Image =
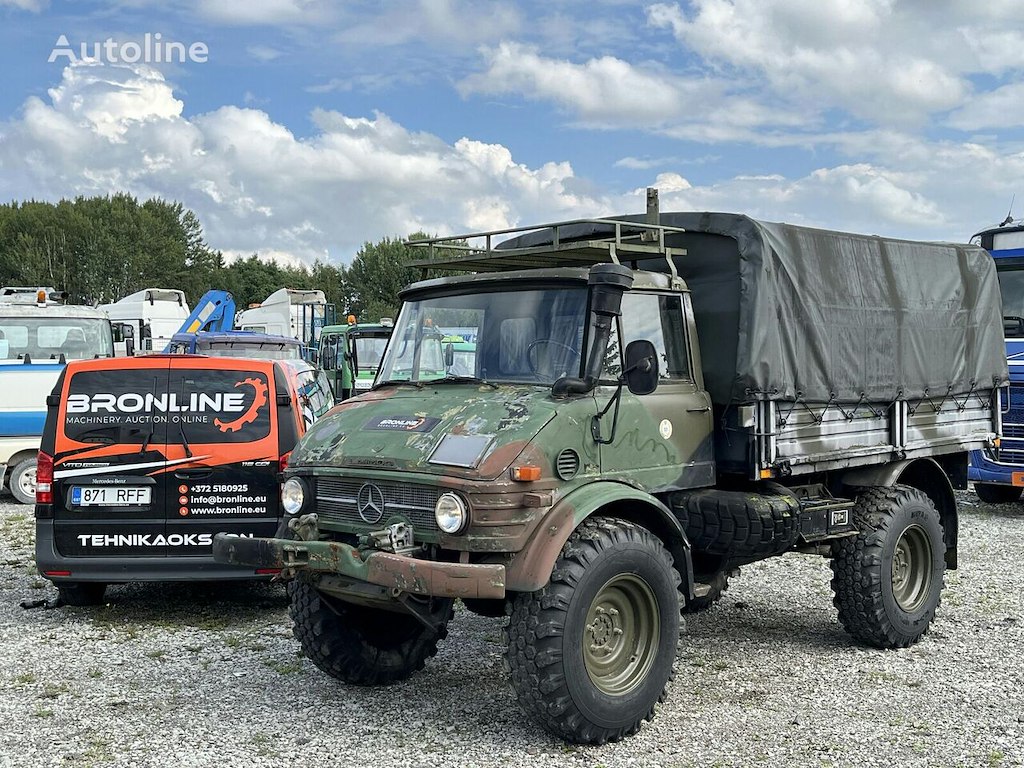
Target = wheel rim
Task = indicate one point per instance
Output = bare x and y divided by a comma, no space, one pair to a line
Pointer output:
912,569
620,638
27,482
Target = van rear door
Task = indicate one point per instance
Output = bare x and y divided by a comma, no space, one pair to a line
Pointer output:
108,457
223,451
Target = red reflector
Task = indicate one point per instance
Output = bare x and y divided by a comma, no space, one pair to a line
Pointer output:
56,573
44,478
263,571
282,463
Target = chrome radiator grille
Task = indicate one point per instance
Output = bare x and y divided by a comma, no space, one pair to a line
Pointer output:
338,501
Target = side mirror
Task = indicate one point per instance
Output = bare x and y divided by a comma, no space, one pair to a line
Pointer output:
641,367
129,347
449,355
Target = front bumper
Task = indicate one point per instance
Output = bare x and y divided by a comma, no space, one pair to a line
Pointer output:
983,470
384,569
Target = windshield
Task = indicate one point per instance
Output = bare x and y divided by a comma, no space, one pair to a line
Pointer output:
369,351
528,335
1011,286
45,338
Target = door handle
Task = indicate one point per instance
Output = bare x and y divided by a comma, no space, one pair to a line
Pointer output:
702,409
199,474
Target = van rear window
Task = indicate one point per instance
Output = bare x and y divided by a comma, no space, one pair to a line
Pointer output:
152,406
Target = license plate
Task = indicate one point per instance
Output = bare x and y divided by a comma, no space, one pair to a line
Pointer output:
111,496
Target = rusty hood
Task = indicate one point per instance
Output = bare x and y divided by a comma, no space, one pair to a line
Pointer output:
463,430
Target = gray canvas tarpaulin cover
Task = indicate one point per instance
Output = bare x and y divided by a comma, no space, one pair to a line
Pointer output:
786,312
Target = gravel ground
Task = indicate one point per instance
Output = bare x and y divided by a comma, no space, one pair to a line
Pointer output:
171,675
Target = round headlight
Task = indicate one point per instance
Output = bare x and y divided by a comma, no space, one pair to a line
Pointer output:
450,512
293,495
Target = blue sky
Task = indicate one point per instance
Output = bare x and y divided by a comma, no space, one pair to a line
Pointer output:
314,126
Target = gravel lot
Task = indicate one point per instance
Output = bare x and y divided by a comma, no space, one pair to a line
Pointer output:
170,675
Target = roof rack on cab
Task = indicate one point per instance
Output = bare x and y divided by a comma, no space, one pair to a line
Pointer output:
574,243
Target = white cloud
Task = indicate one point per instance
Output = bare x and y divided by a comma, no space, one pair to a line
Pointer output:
265,12
875,59
255,185
431,23
35,6
264,53
611,92
1001,108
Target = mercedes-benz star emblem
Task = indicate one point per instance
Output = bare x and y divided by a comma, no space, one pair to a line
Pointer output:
370,503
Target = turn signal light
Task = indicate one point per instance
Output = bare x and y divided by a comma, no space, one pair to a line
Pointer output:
282,463
44,478
766,474
526,473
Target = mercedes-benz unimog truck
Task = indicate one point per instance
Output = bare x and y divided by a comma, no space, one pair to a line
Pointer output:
656,401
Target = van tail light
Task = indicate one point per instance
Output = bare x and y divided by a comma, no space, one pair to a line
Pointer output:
44,478
282,463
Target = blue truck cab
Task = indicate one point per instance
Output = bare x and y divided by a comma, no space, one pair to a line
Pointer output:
998,472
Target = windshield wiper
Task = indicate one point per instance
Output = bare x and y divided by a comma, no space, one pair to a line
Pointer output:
456,378
184,441
397,382
145,442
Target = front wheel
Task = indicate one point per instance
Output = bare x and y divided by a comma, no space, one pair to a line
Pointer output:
362,645
591,653
887,580
23,481
997,494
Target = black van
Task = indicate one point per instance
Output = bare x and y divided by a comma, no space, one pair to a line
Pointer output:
144,459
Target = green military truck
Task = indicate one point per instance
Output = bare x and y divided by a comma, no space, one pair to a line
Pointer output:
656,401
350,354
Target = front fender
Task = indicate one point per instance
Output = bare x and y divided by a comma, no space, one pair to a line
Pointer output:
531,567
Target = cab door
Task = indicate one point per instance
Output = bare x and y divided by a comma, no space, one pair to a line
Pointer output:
110,456
223,446
663,440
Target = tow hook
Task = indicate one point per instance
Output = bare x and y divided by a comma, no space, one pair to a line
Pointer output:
305,527
396,538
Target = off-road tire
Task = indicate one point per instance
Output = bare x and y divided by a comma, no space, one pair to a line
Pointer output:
739,525
719,582
997,494
605,562
887,581
362,645
23,477
81,593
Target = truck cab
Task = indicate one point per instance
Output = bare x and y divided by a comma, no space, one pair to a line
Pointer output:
998,471
655,401
39,334
350,354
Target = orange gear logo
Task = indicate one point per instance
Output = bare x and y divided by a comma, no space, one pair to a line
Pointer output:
249,416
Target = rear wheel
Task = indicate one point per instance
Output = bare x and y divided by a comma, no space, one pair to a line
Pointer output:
80,593
887,580
997,494
590,654
362,645
23,481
